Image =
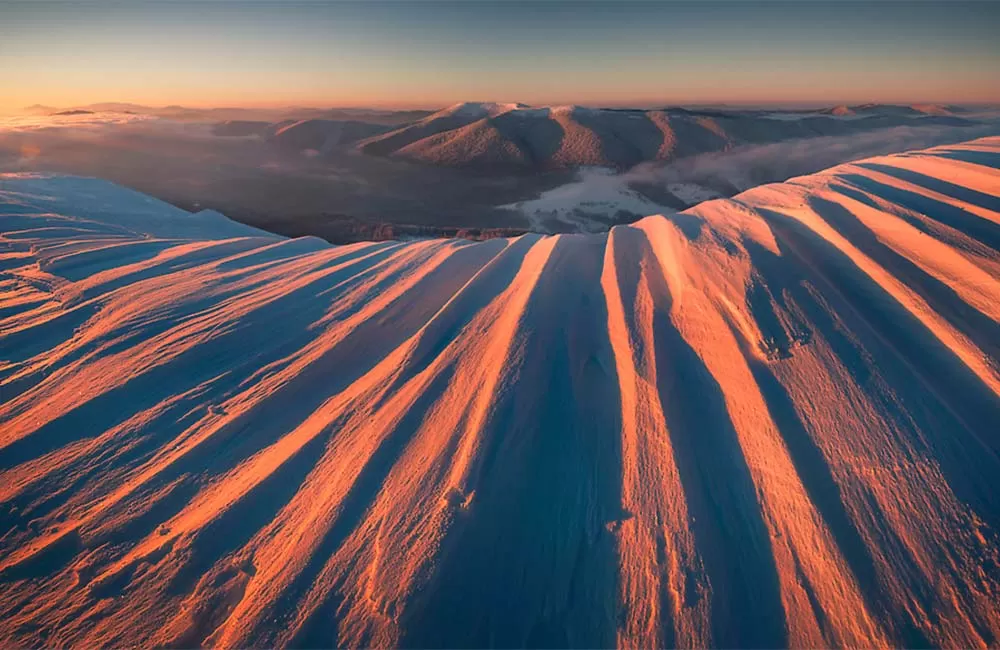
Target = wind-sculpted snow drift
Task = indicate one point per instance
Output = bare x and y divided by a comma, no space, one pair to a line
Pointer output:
765,421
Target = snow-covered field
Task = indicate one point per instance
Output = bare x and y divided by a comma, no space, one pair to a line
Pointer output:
589,203
765,421
692,193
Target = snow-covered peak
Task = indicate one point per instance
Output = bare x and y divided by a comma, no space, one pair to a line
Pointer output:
480,109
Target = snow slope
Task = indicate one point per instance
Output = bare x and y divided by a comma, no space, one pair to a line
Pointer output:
765,421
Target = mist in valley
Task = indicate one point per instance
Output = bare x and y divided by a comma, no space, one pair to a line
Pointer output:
343,195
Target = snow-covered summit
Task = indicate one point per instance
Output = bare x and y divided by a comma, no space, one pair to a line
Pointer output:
764,421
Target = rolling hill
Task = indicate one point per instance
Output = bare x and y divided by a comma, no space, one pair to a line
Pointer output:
490,136
764,421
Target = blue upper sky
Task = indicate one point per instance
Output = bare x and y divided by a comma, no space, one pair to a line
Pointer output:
415,53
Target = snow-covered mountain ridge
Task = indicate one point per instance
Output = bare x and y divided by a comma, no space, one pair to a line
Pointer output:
517,136
767,420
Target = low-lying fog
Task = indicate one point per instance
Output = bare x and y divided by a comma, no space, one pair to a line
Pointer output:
599,197
343,195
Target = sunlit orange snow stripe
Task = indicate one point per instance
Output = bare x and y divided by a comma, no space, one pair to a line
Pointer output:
972,356
652,493
241,480
374,413
972,283
803,547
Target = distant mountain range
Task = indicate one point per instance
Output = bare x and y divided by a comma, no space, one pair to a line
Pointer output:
485,135
512,136
518,136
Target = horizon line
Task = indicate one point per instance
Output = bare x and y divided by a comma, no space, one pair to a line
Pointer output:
638,104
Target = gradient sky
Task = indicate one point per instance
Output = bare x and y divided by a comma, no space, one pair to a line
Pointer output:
426,54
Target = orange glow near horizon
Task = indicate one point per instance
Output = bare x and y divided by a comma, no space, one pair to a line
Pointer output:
428,54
